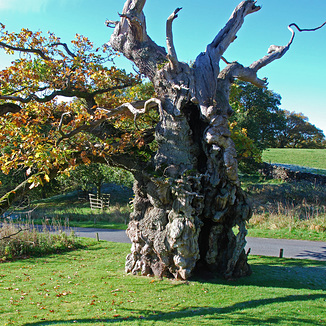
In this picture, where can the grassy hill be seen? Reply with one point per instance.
(310, 158)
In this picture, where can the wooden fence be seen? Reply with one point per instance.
(99, 202)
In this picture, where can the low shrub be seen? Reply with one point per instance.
(18, 240)
(295, 207)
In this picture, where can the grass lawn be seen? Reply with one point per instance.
(287, 233)
(311, 158)
(89, 287)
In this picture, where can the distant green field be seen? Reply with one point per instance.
(311, 158)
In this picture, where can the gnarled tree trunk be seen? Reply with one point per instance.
(188, 200)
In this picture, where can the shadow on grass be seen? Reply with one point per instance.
(280, 273)
(235, 314)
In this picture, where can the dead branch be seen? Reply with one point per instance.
(236, 70)
(134, 108)
(172, 55)
(130, 38)
(276, 51)
(228, 34)
(111, 23)
(225, 61)
(61, 122)
(307, 29)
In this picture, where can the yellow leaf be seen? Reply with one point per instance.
(46, 177)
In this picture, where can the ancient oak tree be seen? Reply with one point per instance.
(189, 212)
(186, 211)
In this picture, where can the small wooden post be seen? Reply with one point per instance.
(281, 253)
(97, 237)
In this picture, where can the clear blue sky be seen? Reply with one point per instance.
(299, 77)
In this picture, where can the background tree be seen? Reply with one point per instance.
(257, 111)
(298, 132)
(94, 175)
(188, 198)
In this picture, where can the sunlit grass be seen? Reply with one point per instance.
(90, 287)
(310, 158)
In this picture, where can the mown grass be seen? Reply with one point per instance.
(89, 287)
(310, 158)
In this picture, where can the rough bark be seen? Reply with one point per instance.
(188, 200)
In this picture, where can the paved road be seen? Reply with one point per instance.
(258, 246)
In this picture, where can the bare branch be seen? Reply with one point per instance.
(35, 51)
(135, 108)
(130, 38)
(68, 92)
(236, 70)
(249, 74)
(172, 55)
(307, 29)
(137, 6)
(277, 52)
(61, 122)
(225, 61)
(133, 17)
(111, 23)
(207, 63)
(228, 34)
(66, 48)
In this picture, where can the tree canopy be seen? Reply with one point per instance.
(44, 135)
(258, 123)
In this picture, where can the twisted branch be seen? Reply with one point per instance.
(228, 34)
(306, 29)
(66, 48)
(135, 108)
(68, 92)
(172, 55)
(274, 52)
(61, 122)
